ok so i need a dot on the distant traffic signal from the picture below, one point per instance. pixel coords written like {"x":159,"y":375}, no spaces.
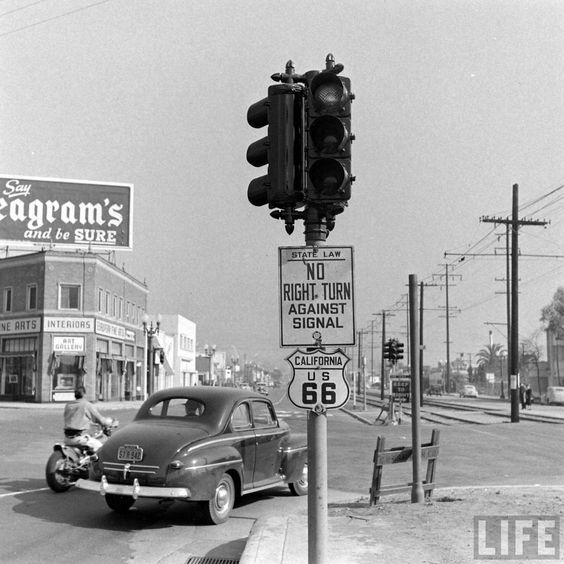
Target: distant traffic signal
{"x":399,"y":350}
{"x":281,"y":149}
{"x":328,"y":154}
{"x":388,"y":349}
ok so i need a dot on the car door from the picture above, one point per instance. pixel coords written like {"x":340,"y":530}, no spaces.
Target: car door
{"x":268,"y":437}
{"x":244,"y":440}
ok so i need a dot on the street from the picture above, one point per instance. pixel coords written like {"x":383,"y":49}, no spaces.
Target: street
{"x":77,"y":525}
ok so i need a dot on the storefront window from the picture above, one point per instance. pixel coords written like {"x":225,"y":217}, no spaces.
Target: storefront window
{"x":18,"y":369}
{"x":67,"y":372}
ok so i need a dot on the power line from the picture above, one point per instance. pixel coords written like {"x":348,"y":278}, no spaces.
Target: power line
{"x":59,"y":16}
{"x":21,"y":8}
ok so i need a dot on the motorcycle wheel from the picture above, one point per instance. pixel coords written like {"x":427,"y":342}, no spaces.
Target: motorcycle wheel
{"x":56,"y":480}
{"x":119,"y":503}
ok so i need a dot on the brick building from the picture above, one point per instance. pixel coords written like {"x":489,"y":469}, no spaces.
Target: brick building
{"x":68,"y":319}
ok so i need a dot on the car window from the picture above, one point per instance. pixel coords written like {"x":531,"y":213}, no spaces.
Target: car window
{"x":178,"y":407}
{"x":241,"y":418}
{"x":263,"y":415}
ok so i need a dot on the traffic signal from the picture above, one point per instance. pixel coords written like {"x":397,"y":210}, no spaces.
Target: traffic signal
{"x":328,"y":152}
{"x":399,"y":350}
{"x":282,"y":148}
{"x":388,"y":349}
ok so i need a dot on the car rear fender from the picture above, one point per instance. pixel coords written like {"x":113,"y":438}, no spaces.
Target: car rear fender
{"x":294,"y":456}
{"x":202,"y":468}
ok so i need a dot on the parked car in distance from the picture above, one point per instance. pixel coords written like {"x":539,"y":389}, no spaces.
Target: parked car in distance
{"x":204,"y":444}
{"x":469,"y":391}
{"x":244,"y":386}
{"x":262,"y":389}
{"x":434,"y":390}
{"x":555,"y":394}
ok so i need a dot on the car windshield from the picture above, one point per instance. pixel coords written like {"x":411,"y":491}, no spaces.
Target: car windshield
{"x":178,"y":407}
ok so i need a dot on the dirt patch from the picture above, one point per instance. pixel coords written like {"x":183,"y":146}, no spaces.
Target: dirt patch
{"x":441,"y":530}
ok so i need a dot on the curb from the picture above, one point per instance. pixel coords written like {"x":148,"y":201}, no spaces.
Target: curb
{"x":266,"y":541}
{"x":103,"y":406}
{"x":357,"y":416}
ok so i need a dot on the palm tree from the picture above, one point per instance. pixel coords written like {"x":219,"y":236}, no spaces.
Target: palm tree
{"x":488,"y":357}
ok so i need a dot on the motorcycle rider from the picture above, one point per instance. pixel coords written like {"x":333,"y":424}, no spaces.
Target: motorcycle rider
{"x":79,"y":415}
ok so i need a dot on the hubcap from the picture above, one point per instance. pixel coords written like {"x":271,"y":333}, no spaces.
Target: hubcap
{"x":222,"y":496}
{"x":303,"y":479}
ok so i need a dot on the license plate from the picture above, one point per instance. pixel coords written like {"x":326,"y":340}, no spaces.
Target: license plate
{"x":132,"y":453}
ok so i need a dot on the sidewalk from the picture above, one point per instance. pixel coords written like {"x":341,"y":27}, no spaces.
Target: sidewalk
{"x":103,"y":405}
{"x":396,"y":531}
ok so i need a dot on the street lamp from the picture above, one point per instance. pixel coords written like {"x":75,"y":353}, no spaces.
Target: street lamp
{"x":209,"y":352}
{"x":150,"y":331}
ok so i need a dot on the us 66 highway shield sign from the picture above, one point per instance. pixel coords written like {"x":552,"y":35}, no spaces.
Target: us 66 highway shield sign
{"x":318,"y":379}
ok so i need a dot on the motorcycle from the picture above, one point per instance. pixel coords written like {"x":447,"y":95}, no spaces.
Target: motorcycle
{"x":69,"y":463}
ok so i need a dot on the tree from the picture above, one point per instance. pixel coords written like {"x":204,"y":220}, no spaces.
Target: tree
{"x":488,"y":357}
{"x":552,"y":315}
{"x":530,"y":354}
{"x":488,"y":360}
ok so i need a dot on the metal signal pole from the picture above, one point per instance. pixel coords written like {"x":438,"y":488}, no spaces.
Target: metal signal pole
{"x":417,"y":493}
{"x":317,"y":527}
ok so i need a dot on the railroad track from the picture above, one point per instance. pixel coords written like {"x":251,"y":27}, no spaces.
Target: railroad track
{"x":451,"y":412}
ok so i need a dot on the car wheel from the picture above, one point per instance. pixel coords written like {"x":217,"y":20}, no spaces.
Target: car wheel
{"x":119,"y":503}
{"x":300,"y":487}
{"x":217,"y":509}
{"x":56,"y":479}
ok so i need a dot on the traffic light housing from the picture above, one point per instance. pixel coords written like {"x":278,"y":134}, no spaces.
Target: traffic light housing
{"x":399,"y":350}
{"x":282,"y":148}
{"x":388,"y":349}
{"x":329,"y":137}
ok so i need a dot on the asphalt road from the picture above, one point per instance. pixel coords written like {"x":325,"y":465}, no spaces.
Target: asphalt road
{"x":77,"y":525}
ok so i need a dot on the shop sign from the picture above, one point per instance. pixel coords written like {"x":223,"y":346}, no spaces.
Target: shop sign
{"x":68,"y":325}
{"x":69,"y":213}
{"x":17,"y":326}
{"x":114,"y":331}
{"x":68,"y":344}
{"x":401,"y":389}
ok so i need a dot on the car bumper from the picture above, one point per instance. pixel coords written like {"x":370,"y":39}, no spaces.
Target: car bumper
{"x":134,"y":490}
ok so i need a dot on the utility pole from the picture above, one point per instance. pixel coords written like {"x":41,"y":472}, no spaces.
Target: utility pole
{"x":421,"y":341}
{"x":515,"y":223}
{"x":448,"y":308}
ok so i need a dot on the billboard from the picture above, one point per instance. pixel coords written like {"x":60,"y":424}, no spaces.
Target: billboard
{"x":70,"y":213}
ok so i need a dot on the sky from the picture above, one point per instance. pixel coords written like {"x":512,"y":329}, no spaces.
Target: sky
{"x":456,"y":101}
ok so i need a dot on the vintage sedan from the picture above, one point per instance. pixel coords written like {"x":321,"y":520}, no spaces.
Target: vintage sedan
{"x":203,"y":444}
